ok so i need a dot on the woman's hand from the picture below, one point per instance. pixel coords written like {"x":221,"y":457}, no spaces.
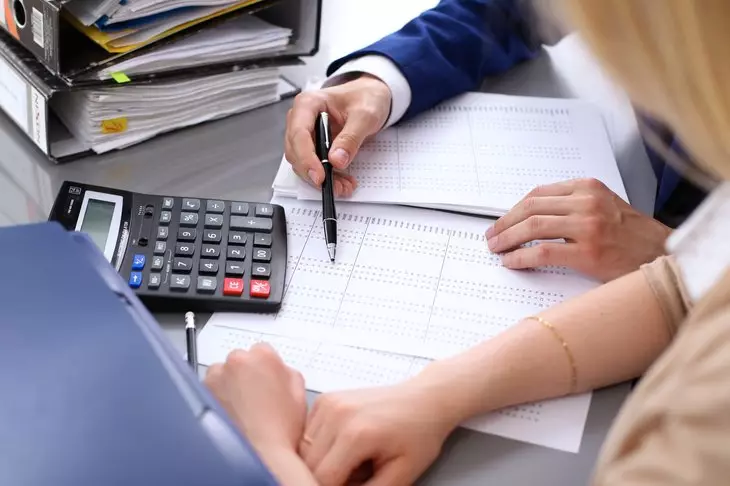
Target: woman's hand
{"x":264,"y":397}
{"x":605,"y":237}
{"x":399,"y":429}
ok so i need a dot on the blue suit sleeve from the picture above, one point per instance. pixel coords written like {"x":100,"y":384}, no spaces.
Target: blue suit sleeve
{"x":450,"y":48}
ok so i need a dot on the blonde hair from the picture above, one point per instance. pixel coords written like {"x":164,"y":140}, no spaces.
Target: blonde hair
{"x":673,"y":59}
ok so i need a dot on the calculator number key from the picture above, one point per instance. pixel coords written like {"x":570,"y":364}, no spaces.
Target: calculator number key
{"x":180,"y":282}
{"x":233,"y":287}
{"x":182,"y":265}
{"x":234,"y":268}
{"x":212,"y":236}
{"x":157,"y":262}
{"x":261,"y":255}
{"x":184,"y":249}
{"x":262,"y":239}
{"x":187,"y":234}
{"x":210,"y":251}
{"x":207,"y":285}
{"x":236,"y":253}
{"x":188,"y":219}
{"x":260,"y":289}
{"x":208,"y":267}
{"x":251,"y":224}
{"x":213,"y":206}
{"x":262,"y":270}
{"x":213,"y":220}
{"x":236,"y":238}
{"x":190,"y":204}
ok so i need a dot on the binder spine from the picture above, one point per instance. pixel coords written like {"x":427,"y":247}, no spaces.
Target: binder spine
{"x":24,"y":104}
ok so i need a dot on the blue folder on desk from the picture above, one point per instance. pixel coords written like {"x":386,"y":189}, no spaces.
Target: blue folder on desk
{"x":91,"y":392}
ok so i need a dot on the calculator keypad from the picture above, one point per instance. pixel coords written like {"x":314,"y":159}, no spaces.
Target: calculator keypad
{"x":202,"y":247}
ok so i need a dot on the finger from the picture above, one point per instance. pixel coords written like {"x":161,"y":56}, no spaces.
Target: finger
{"x":394,"y":472}
{"x":532,"y":206}
{"x":214,"y":371}
{"x":543,"y":255}
{"x":306,"y":164}
{"x":300,"y":136}
{"x":317,"y":431}
{"x":348,"y":184}
{"x":563,"y":188}
{"x":338,"y":187}
{"x":359,"y":125}
{"x":533,"y":228}
{"x":316,"y":445}
{"x":342,"y":459}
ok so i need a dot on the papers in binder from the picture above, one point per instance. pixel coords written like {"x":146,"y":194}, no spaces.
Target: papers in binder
{"x":109,"y":118}
{"x":242,"y":38}
{"x":128,"y":39}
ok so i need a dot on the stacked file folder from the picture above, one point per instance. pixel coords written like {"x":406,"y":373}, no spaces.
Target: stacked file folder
{"x":155,"y":66}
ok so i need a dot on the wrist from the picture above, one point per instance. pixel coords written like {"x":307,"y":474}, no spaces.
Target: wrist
{"x":448,"y":394}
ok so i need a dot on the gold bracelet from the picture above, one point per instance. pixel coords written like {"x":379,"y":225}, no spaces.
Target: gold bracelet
{"x":568,"y":353}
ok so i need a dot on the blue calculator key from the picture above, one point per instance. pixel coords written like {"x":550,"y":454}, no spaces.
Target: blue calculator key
{"x":138,"y":262}
{"x":135,"y":279}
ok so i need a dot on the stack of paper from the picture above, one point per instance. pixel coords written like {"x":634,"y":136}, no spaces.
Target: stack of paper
{"x":121,"y":28}
{"x":241,"y":38}
{"x":105,"y":119}
{"x":478,"y":153}
{"x":412,"y":285}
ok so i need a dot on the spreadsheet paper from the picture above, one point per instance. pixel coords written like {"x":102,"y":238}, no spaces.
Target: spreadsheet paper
{"x":409,"y":285}
{"x":481,"y":153}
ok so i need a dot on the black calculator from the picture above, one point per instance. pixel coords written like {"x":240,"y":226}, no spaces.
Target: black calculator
{"x":184,"y":253}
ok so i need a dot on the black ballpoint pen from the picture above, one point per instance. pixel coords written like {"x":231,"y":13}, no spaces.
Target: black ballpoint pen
{"x":323,"y":142}
{"x":191,"y":339}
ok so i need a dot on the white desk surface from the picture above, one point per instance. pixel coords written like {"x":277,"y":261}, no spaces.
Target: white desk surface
{"x":237,"y":159}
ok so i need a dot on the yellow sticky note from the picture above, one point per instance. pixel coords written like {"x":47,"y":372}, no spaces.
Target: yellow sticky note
{"x":116,"y":125}
{"x":120,"y":78}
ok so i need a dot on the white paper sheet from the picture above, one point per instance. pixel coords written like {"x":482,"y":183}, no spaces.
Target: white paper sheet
{"x":557,"y":424}
{"x":408,"y":284}
{"x":483,"y":152}
{"x":408,"y":281}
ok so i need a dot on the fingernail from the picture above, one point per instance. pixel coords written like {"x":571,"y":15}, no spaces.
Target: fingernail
{"x":340,"y":157}
{"x":313,"y":176}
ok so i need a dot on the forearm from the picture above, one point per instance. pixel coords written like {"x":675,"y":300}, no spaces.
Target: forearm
{"x":614,"y":333}
{"x":288,"y":468}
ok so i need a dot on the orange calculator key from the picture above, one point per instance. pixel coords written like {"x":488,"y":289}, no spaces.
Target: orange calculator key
{"x":260,"y":288}
{"x":233,"y":286}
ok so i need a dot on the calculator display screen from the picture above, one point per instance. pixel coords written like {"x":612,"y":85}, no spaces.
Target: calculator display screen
{"x":98,"y":220}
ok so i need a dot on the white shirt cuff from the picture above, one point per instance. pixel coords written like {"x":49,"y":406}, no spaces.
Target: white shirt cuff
{"x":384,"y":69}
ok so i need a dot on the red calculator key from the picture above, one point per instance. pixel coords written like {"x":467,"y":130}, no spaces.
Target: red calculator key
{"x":233,"y":287}
{"x":260,"y":288}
